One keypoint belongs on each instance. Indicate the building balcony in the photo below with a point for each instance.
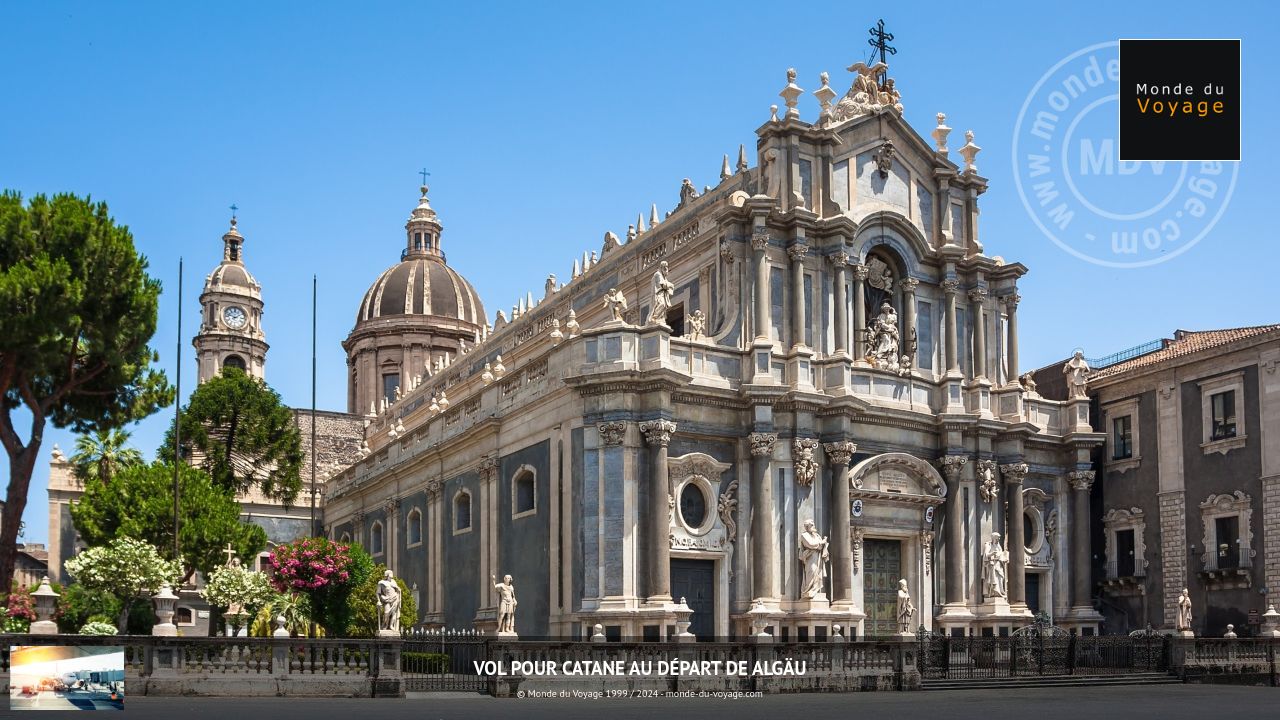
(1125, 577)
(1227, 567)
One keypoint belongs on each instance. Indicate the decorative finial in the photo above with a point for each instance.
(640, 228)
(742, 158)
(791, 95)
(940, 134)
(825, 95)
(653, 215)
(969, 152)
(773, 113)
(725, 173)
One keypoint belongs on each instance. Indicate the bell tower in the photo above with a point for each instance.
(231, 315)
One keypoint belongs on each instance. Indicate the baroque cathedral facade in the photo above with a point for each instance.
(768, 407)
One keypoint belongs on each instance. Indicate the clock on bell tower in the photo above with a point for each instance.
(231, 316)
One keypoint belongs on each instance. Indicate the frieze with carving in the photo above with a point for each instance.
(612, 433)
(762, 443)
(988, 486)
(806, 468)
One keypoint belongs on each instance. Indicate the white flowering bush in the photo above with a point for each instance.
(98, 628)
(127, 568)
(234, 587)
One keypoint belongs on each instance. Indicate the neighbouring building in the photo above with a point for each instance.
(1190, 476)
(32, 564)
(819, 338)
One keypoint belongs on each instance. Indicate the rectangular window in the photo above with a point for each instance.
(1228, 536)
(775, 301)
(924, 335)
(1122, 438)
(1124, 553)
(390, 382)
(1224, 415)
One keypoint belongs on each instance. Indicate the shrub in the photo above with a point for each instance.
(79, 604)
(424, 662)
(98, 628)
(364, 606)
(326, 573)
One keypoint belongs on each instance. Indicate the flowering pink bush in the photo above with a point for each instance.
(324, 571)
(20, 604)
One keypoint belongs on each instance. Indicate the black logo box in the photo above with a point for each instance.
(1160, 77)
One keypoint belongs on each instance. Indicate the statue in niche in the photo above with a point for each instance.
(663, 290)
(506, 604)
(1077, 372)
(616, 302)
(906, 609)
(1184, 611)
(995, 561)
(882, 351)
(388, 604)
(815, 555)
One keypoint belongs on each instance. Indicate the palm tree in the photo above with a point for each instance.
(100, 455)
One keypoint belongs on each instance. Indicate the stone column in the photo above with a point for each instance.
(1013, 474)
(840, 260)
(952, 467)
(657, 433)
(1011, 310)
(840, 453)
(860, 273)
(796, 252)
(1081, 579)
(909, 286)
(760, 241)
(763, 545)
(951, 287)
(976, 297)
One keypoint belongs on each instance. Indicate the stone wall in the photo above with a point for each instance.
(1173, 551)
(338, 438)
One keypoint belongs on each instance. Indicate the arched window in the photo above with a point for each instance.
(524, 492)
(183, 616)
(461, 512)
(375, 538)
(414, 527)
(234, 361)
(345, 539)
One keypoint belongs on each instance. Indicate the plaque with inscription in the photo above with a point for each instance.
(893, 481)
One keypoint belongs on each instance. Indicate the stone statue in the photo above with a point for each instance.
(506, 604)
(814, 554)
(1077, 372)
(1184, 611)
(388, 604)
(995, 559)
(906, 609)
(1028, 382)
(663, 289)
(617, 304)
(697, 322)
(883, 349)
(989, 488)
(865, 96)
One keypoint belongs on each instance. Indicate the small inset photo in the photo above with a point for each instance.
(57, 677)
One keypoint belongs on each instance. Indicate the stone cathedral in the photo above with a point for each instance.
(771, 405)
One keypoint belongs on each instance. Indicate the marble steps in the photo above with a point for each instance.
(1050, 681)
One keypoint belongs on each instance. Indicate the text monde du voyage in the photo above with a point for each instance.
(1179, 99)
(621, 668)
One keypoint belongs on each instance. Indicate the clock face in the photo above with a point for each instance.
(234, 317)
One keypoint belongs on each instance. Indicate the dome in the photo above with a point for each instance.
(422, 286)
(232, 274)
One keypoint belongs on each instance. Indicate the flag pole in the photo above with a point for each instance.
(313, 406)
(177, 417)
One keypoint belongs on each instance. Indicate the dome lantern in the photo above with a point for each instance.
(423, 230)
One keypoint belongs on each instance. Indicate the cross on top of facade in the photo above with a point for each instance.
(879, 42)
(423, 172)
(229, 552)
(233, 211)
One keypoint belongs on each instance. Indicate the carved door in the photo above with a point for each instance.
(883, 568)
(694, 580)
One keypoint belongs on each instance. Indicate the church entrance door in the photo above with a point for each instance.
(882, 560)
(694, 580)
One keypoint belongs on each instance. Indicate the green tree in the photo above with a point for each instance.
(138, 503)
(127, 568)
(77, 310)
(364, 606)
(242, 435)
(78, 603)
(101, 453)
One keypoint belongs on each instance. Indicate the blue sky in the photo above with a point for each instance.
(543, 126)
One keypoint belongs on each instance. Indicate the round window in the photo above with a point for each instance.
(693, 506)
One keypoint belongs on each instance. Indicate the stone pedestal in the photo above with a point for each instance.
(955, 616)
(46, 603)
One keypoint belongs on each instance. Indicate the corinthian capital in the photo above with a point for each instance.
(977, 295)
(488, 468)
(612, 433)
(1011, 302)
(909, 284)
(839, 258)
(1014, 472)
(657, 432)
(840, 452)
(762, 443)
(952, 465)
(860, 272)
(797, 251)
(760, 238)
(950, 287)
(1081, 479)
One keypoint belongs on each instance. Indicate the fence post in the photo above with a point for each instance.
(1071, 654)
(1013, 656)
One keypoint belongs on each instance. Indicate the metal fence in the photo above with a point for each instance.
(443, 660)
(1044, 654)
